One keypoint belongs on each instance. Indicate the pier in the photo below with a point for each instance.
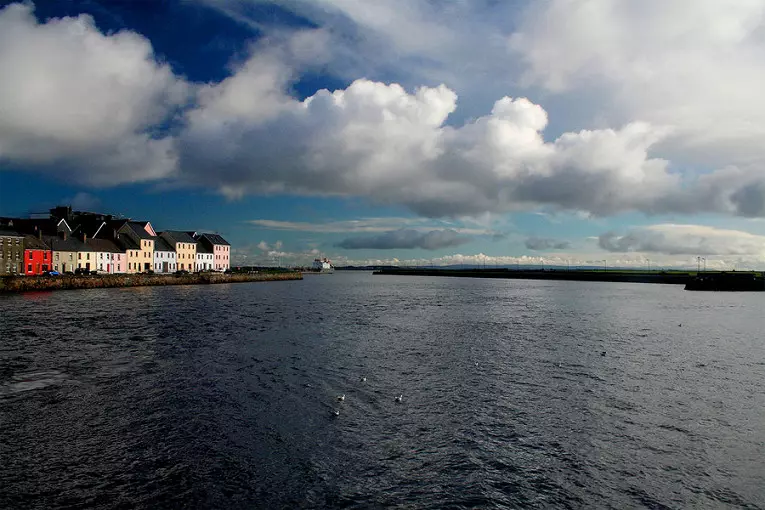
(692, 280)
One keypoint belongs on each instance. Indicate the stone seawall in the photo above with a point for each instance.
(67, 282)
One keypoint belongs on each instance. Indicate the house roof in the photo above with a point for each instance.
(176, 236)
(104, 245)
(33, 243)
(68, 244)
(204, 248)
(214, 239)
(9, 233)
(137, 228)
(162, 245)
(126, 243)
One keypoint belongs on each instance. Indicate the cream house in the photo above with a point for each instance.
(137, 239)
(185, 249)
(67, 252)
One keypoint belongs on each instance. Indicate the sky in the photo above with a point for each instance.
(555, 132)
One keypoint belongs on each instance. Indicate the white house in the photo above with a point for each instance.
(165, 257)
(205, 261)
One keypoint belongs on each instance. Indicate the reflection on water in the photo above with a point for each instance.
(515, 393)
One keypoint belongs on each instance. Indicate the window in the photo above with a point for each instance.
(29, 268)
(87, 255)
(56, 256)
(30, 256)
(79, 255)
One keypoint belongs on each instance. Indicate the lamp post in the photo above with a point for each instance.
(605, 265)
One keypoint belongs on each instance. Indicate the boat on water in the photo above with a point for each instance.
(322, 266)
(727, 282)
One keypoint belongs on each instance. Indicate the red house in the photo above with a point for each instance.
(38, 258)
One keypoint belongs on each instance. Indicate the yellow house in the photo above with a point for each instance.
(137, 240)
(185, 249)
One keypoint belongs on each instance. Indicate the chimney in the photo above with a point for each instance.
(39, 234)
(84, 237)
(64, 234)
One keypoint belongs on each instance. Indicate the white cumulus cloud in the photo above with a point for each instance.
(381, 141)
(81, 104)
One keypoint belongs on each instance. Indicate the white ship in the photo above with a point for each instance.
(322, 266)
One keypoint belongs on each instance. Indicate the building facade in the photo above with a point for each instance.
(138, 240)
(204, 258)
(11, 252)
(38, 257)
(110, 259)
(185, 249)
(164, 256)
(86, 258)
(220, 248)
(65, 252)
(68, 240)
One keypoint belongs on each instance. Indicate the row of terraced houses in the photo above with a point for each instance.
(67, 240)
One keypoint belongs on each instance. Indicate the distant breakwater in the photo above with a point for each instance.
(669, 277)
(69, 282)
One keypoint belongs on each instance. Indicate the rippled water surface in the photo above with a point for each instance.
(515, 394)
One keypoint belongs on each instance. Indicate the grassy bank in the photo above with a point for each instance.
(67, 282)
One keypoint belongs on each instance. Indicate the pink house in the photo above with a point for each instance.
(108, 257)
(220, 248)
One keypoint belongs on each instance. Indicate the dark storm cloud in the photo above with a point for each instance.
(406, 239)
(538, 243)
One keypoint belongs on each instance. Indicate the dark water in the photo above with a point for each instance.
(222, 396)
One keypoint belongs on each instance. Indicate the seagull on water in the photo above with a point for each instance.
(340, 398)
(336, 413)
(363, 379)
(399, 398)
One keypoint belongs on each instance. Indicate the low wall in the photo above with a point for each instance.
(675, 278)
(66, 282)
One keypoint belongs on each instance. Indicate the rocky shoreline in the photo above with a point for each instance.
(69, 282)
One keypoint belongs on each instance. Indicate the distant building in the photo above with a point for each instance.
(220, 248)
(67, 252)
(137, 238)
(11, 252)
(105, 243)
(185, 248)
(204, 257)
(36, 226)
(38, 257)
(109, 258)
(164, 256)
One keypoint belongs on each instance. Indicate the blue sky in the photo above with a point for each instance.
(401, 130)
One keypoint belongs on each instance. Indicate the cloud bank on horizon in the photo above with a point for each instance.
(436, 116)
